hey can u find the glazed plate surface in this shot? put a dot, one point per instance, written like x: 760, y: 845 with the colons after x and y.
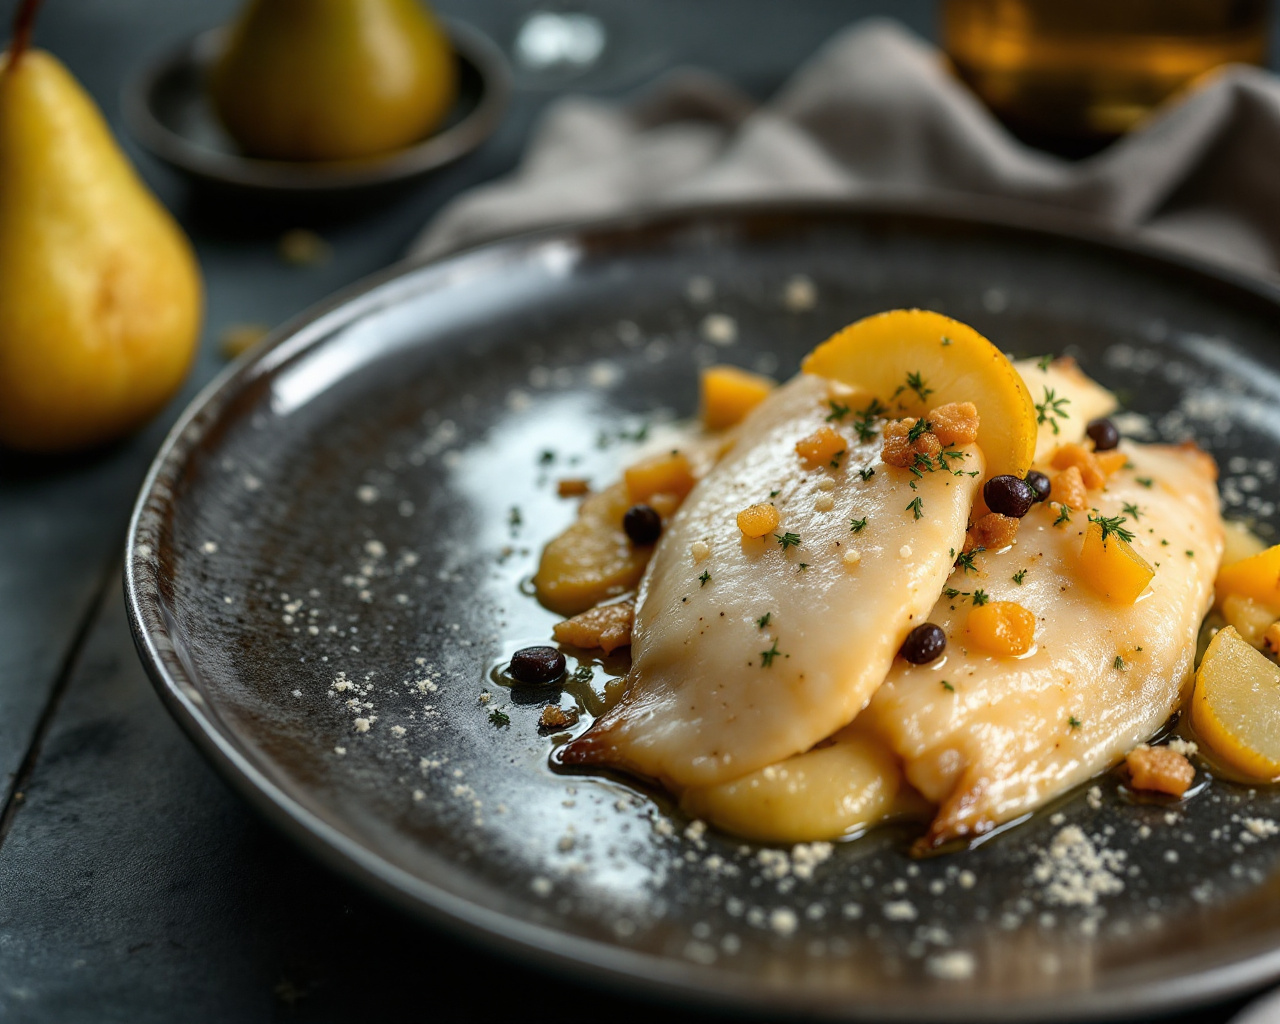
x: 331, y: 555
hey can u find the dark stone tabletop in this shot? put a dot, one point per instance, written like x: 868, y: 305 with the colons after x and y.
x: 134, y: 886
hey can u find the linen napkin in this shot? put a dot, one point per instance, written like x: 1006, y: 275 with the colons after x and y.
x: 876, y: 112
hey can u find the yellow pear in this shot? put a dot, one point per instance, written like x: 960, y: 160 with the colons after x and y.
x: 333, y: 79
x: 100, y: 293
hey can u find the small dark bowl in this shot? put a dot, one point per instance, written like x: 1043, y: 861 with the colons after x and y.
x: 168, y: 110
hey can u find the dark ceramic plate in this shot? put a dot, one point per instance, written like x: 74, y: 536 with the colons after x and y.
x: 360, y: 503
x: 167, y: 109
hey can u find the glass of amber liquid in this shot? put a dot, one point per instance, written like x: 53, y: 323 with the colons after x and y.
x: 1071, y: 75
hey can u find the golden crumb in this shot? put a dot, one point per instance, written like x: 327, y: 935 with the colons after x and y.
x: 1079, y: 457
x: 556, y: 717
x: 1271, y: 638
x: 1159, y: 770
x: 1067, y: 488
x: 993, y: 531
x: 824, y: 503
x: 572, y: 487
x: 852, y: 557
x: 758, y: 520
x: 820, y: 447
x: 607, y: 627
x: 955, y: 423
x: 898, y: 450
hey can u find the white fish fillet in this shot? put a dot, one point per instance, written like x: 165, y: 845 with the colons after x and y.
x: 705, y: 703
x: 1011, y: 733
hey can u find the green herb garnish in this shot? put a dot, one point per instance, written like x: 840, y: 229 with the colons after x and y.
x: 766, y: 657
x: 838, y: 412
x: 916, y: 506
x: 1051, y: 409
x: 499, y: 718
x: 857, y: 525
x: 1113, y: 524
x: 1019, y: 576
x: 704, y: 579
x: 787, y: 540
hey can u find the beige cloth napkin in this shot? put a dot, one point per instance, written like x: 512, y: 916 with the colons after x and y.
x: 876, y: 112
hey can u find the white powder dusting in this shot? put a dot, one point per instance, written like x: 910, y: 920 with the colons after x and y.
x: 1075, y: 873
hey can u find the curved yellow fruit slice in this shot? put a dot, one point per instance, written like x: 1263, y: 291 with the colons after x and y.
x: 1256, y: 577
x: 914, y: 360
x: 843, y: 786
x: 1236, y: 707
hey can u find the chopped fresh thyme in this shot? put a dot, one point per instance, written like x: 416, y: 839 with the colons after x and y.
x: 948, y: 687
x: 866, y: 473
x: 1146, y: 481
x: 835, y: 459
x: 945, y: 341
x: 774, y: 494
x: 1052, y: 409
x: 873, y: 410
x: 979, y: 598
x: 499, y: 718
x: 1019, y: 576
x: 802, y: 567
x: 1074, y: 722
x: 1190, y: 553
x: 1044, y: 361
x: 547, y: 457
x: 1113, y: 524
x: 788, y: 540
x: 919, y: 427
x: 866, y: 429
x: 1064, y: 515
x: 766, y: 657
x: 764, y: 620
x: 916, y: 505
x: 857, y: 525
x: 1131, y: 509
x: 583, y: 674
x: 965, y: 560
x: 916, y: 383
x: 1118, y: 664
x: 704, y: 579
x: 838, y: 412
x: 514, y: 518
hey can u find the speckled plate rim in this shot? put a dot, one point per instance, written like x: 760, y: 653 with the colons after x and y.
x: 280, y: 177
x: 1184, y: 983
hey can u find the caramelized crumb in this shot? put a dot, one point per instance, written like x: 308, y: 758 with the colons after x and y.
x: 556, y: 717
x: 821, y: 446
x: 572, y: 487
x: 1160, y: 770
x: 955, y: 423
x: 1079, y: 457
x: 606, y: 626
x: 898, y: 451
x: 1271, y: 638
x: 993, y: 532
x: 1068, y: 489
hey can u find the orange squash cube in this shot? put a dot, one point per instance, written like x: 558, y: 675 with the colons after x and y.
x: 1001, y: 627
x: 1111, y: 568
x: 758, y: 520
x: 668, y: 473
x: 1111, y: 462
x: 729, y: 393
x: 820, y: 447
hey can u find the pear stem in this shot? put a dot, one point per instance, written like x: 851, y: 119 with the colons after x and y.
x: 22, y: 26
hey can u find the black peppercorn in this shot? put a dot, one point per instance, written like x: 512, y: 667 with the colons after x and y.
x: 642, y: 524
x: 1103, y: 433
x: 1040, y: 484
x: 536, y: 665
x: 924, y: 643
x: 1009, y: 496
